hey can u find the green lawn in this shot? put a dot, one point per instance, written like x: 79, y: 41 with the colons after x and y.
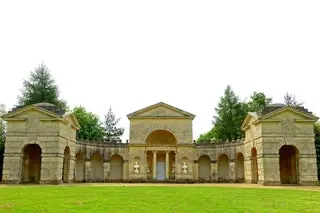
x: 153, y: 199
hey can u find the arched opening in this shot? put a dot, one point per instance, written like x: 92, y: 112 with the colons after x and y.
x: 239, y: 168
x: 31, y: 164
x: 116, y: 168
x: 223, y: 168
x: 66, y: 165
x: 160, y: 138
x: 254, y: 166
x: 288, y: 164
x: 79, y: 171
x: 97, y: 167
x: 204, y: 168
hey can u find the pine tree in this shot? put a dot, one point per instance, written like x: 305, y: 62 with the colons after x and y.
x: 230, y: 114
x: 112, y: 132
x: 40, y: 87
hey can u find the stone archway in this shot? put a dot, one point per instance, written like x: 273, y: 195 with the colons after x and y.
x: 204, y: 168
x: 288, y: 163
x: 239, y: 167
x: 223, y: 168
x: 161, y: 137
x: 79, y: 168
x: 97, y: 167
x: 31, y: 164
x: 161, y: 163
x: 66, y: 165
x: 116, y: 168
x: 254, y: 166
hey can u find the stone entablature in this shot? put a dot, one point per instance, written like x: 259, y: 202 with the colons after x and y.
x: 278, y: 147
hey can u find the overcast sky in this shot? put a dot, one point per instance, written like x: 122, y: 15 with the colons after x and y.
x: 131, y: 54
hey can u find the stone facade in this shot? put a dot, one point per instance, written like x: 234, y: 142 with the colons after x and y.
x: 278, y: 148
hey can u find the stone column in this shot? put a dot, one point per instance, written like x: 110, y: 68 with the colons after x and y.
x: 214, y: 171
x: 88, y: 171
x: 154, y: 164
x: 175, y: 164
x: 51, y: 168
x: 12, y: 168
x: 232, y: 171
x: 196, y: 170
x: 167, y: 164
x: 125, y: 172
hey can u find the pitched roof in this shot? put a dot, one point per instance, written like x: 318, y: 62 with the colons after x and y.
x: 175, y: 109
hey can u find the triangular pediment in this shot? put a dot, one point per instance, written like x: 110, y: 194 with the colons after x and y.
x: 251, y: 117
x: 160, y: 110
x: 289, y: 113
x: 71, y: 118
x: 30, y: 111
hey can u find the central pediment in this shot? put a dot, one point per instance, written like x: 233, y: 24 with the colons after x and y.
x: 160, y: 110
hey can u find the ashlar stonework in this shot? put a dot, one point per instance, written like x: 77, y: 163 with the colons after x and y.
x: 278, y: 148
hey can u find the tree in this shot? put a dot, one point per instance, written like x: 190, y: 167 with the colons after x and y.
x: 91, y: 127
x: 317, y: 145
x: 112, y: 132
x: 206, y: 137
x: 2, y: 136
x: 258, y: 101
x: 230, y: 114
x: 40, y: 87
x: 290, y: 100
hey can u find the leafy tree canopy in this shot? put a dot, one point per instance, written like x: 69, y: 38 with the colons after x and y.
x: 40, y: 87
x: 2, y: 128
x: 231, y: 112
x: 91, y: 127
x: 112, y: 132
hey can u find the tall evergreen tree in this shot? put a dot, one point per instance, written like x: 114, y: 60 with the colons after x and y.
x: 40, y: 87
x: 230, y: 114
x: 112, y: 132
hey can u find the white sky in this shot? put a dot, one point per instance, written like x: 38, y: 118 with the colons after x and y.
x: 131, y: 54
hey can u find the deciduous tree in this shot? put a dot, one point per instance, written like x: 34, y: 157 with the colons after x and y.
x: 2, y: 136
x: 290, y: 100
x: 91, y: 128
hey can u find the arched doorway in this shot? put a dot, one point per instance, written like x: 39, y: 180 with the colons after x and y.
x: 97, y: 167
x: 254, y: 166
x: 66, y: 165
x: 204, y: 168
x: 79, y: 171
x: 116, y: 168
x: 239, y: 168
x: 157, y: 161
x: 288, y: 164
x: 223, y: 168
x: 31, y: 164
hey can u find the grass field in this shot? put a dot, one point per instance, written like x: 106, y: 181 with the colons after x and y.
x: 155, y: 199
